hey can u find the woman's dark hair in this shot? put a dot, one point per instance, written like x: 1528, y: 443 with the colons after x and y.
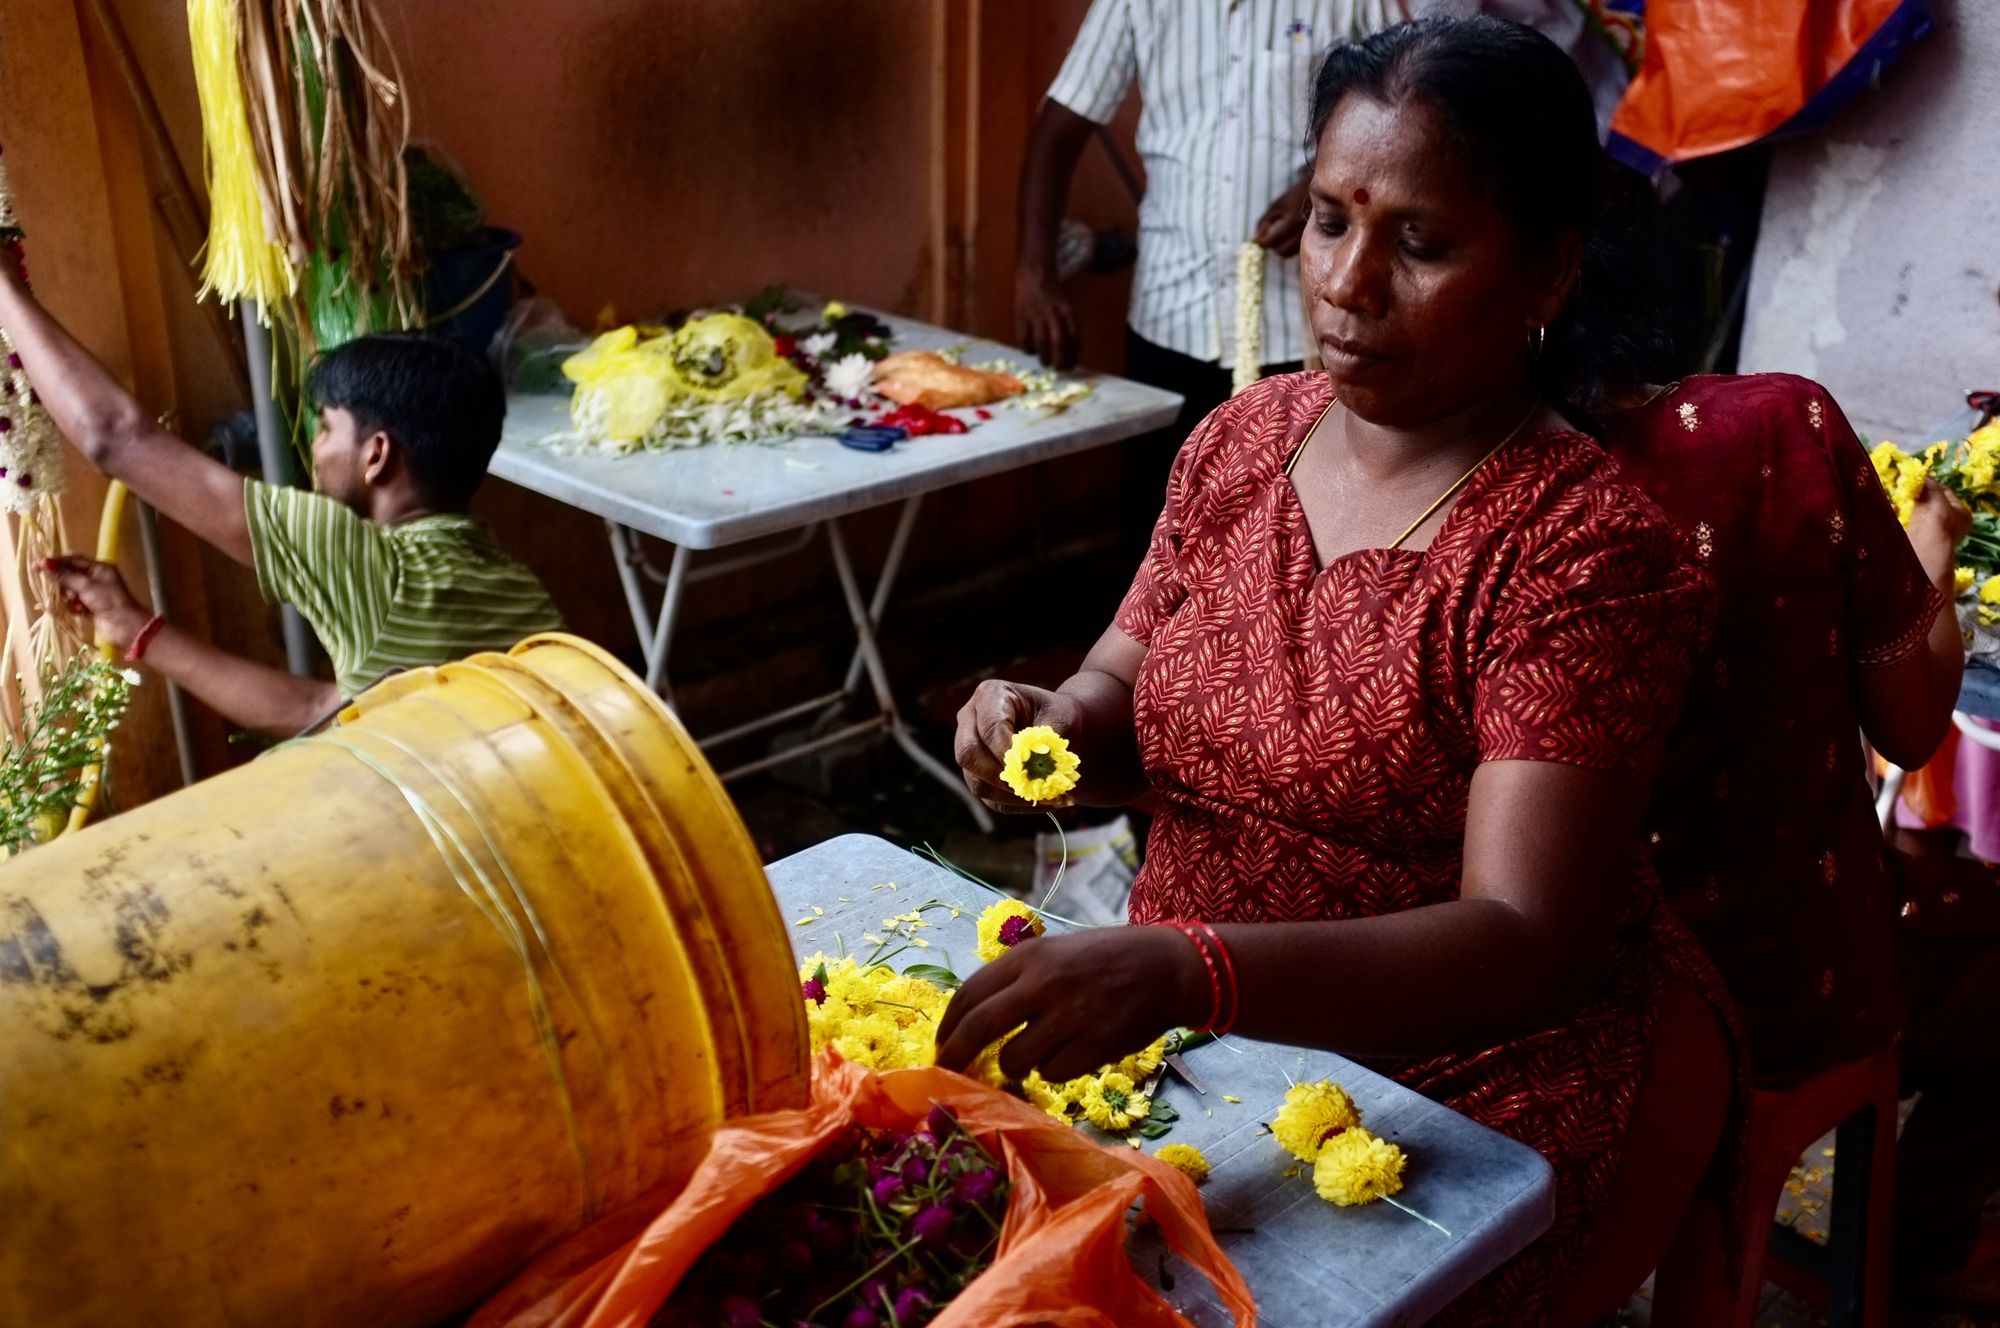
x: 433, y: 393
x: 1521, y: 120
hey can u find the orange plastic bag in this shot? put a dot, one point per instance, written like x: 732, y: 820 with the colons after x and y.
x: 1061, y: 1259
x: 1719, y: 74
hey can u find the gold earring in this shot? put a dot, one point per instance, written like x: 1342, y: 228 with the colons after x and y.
x: 1539, y: 342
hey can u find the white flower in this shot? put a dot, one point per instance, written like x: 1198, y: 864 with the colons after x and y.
x: 818, y: 344
x: 130, y: 675
x: 1249, y: 316
x: 848, y: 377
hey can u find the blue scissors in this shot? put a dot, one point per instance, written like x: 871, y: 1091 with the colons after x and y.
x: 872, y: 437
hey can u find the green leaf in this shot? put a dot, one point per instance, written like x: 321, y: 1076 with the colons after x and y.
x: 935, y: 975
x: 1163, y: 1112
x: 1153, y: 1129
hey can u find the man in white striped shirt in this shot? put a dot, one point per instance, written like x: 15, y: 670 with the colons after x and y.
x: 1224, y: 86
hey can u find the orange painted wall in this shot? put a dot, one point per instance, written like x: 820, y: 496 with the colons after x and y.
x: 654, y: 153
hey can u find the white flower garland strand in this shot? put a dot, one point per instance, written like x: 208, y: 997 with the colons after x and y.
x: 1249, y: 316
x: 31, y: 456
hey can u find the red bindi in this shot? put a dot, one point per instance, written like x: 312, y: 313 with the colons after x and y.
x: 1361, y: 196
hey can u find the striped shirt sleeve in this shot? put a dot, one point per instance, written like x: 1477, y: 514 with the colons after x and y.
x: 1101, y: 64
x: 332, y: 564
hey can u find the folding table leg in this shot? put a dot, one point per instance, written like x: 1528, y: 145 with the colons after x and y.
x: 858, y: 613
x: 891, y: 566
x: 656, y: 635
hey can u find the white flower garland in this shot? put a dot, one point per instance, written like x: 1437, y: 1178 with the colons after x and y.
x: 1249, y: 316
x: 31, y: 454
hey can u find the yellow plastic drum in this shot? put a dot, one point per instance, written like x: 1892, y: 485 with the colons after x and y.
x: 348, y: 1035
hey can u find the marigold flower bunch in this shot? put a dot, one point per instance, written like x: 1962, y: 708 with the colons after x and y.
x: 880, y: 1231
x: 1320, y: 1124
x: 1971, y: 470
x: 869, y: 1013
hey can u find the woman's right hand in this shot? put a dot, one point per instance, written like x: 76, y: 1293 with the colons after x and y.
x: 986, y: 727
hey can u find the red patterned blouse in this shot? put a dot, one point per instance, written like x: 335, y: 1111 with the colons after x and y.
x: 1312, y: 733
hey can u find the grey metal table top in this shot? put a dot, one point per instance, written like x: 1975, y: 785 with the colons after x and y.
x: 1307, y: 1262
x: 722, y: 493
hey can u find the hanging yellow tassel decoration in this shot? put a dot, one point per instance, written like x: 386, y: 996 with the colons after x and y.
x: 243, y: 261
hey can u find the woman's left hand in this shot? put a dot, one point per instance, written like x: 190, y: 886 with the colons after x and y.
x: 1087, y: 999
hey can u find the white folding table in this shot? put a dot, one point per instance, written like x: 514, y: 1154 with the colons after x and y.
x: 789, y: 493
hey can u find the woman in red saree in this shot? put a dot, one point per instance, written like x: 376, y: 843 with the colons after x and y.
x: 1399, y: 665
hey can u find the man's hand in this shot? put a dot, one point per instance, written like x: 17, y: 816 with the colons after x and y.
x: 1284, y: 222
x: 98, y: 591
x: 1044, y: 320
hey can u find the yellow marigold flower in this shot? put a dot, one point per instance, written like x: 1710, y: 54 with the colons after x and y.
x: 1962, y: 579
x: 1055, y: 1099
x: 1141, y: 1064
x: 1355, y: 1167
x: 1114, y: 1103
x: 1989, y: 593
x: 834, y: 311
x: 1040, y: 765
x: 1186, y: 1159
x: 1312, y: 1114
x: 1006, y: 925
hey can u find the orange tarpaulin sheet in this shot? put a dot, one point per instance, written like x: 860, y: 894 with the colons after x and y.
x: 1719, y: 74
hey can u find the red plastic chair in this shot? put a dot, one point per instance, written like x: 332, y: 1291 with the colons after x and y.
x: 1848, y: 1277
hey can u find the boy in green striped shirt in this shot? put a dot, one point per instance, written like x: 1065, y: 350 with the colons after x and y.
x: 382, y: 558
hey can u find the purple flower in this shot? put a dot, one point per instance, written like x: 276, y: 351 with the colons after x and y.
x: 1015, y: 930
x: 815, y: 990
x: 795, y: 1257
x: 975, y: 1187
x: 933, y: 1225
x: 916, y: 1171
x: 887, y: 1188
x: 941, y: 1122
x: 861, y: 1317
x: 910, y: 1303
x: 742, y: 1312
x: 830, y: 1238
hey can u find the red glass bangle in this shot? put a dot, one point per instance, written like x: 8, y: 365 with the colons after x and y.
x: 137, y: 650
x: 1226, y: 1021
x: 1208, y: 961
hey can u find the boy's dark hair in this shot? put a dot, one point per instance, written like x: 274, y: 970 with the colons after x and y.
x: 433, y: 393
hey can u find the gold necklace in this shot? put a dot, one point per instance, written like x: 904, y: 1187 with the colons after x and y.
x: 1442, y: 498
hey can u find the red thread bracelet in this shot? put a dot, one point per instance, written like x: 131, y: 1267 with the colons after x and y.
x: 137, y: 650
